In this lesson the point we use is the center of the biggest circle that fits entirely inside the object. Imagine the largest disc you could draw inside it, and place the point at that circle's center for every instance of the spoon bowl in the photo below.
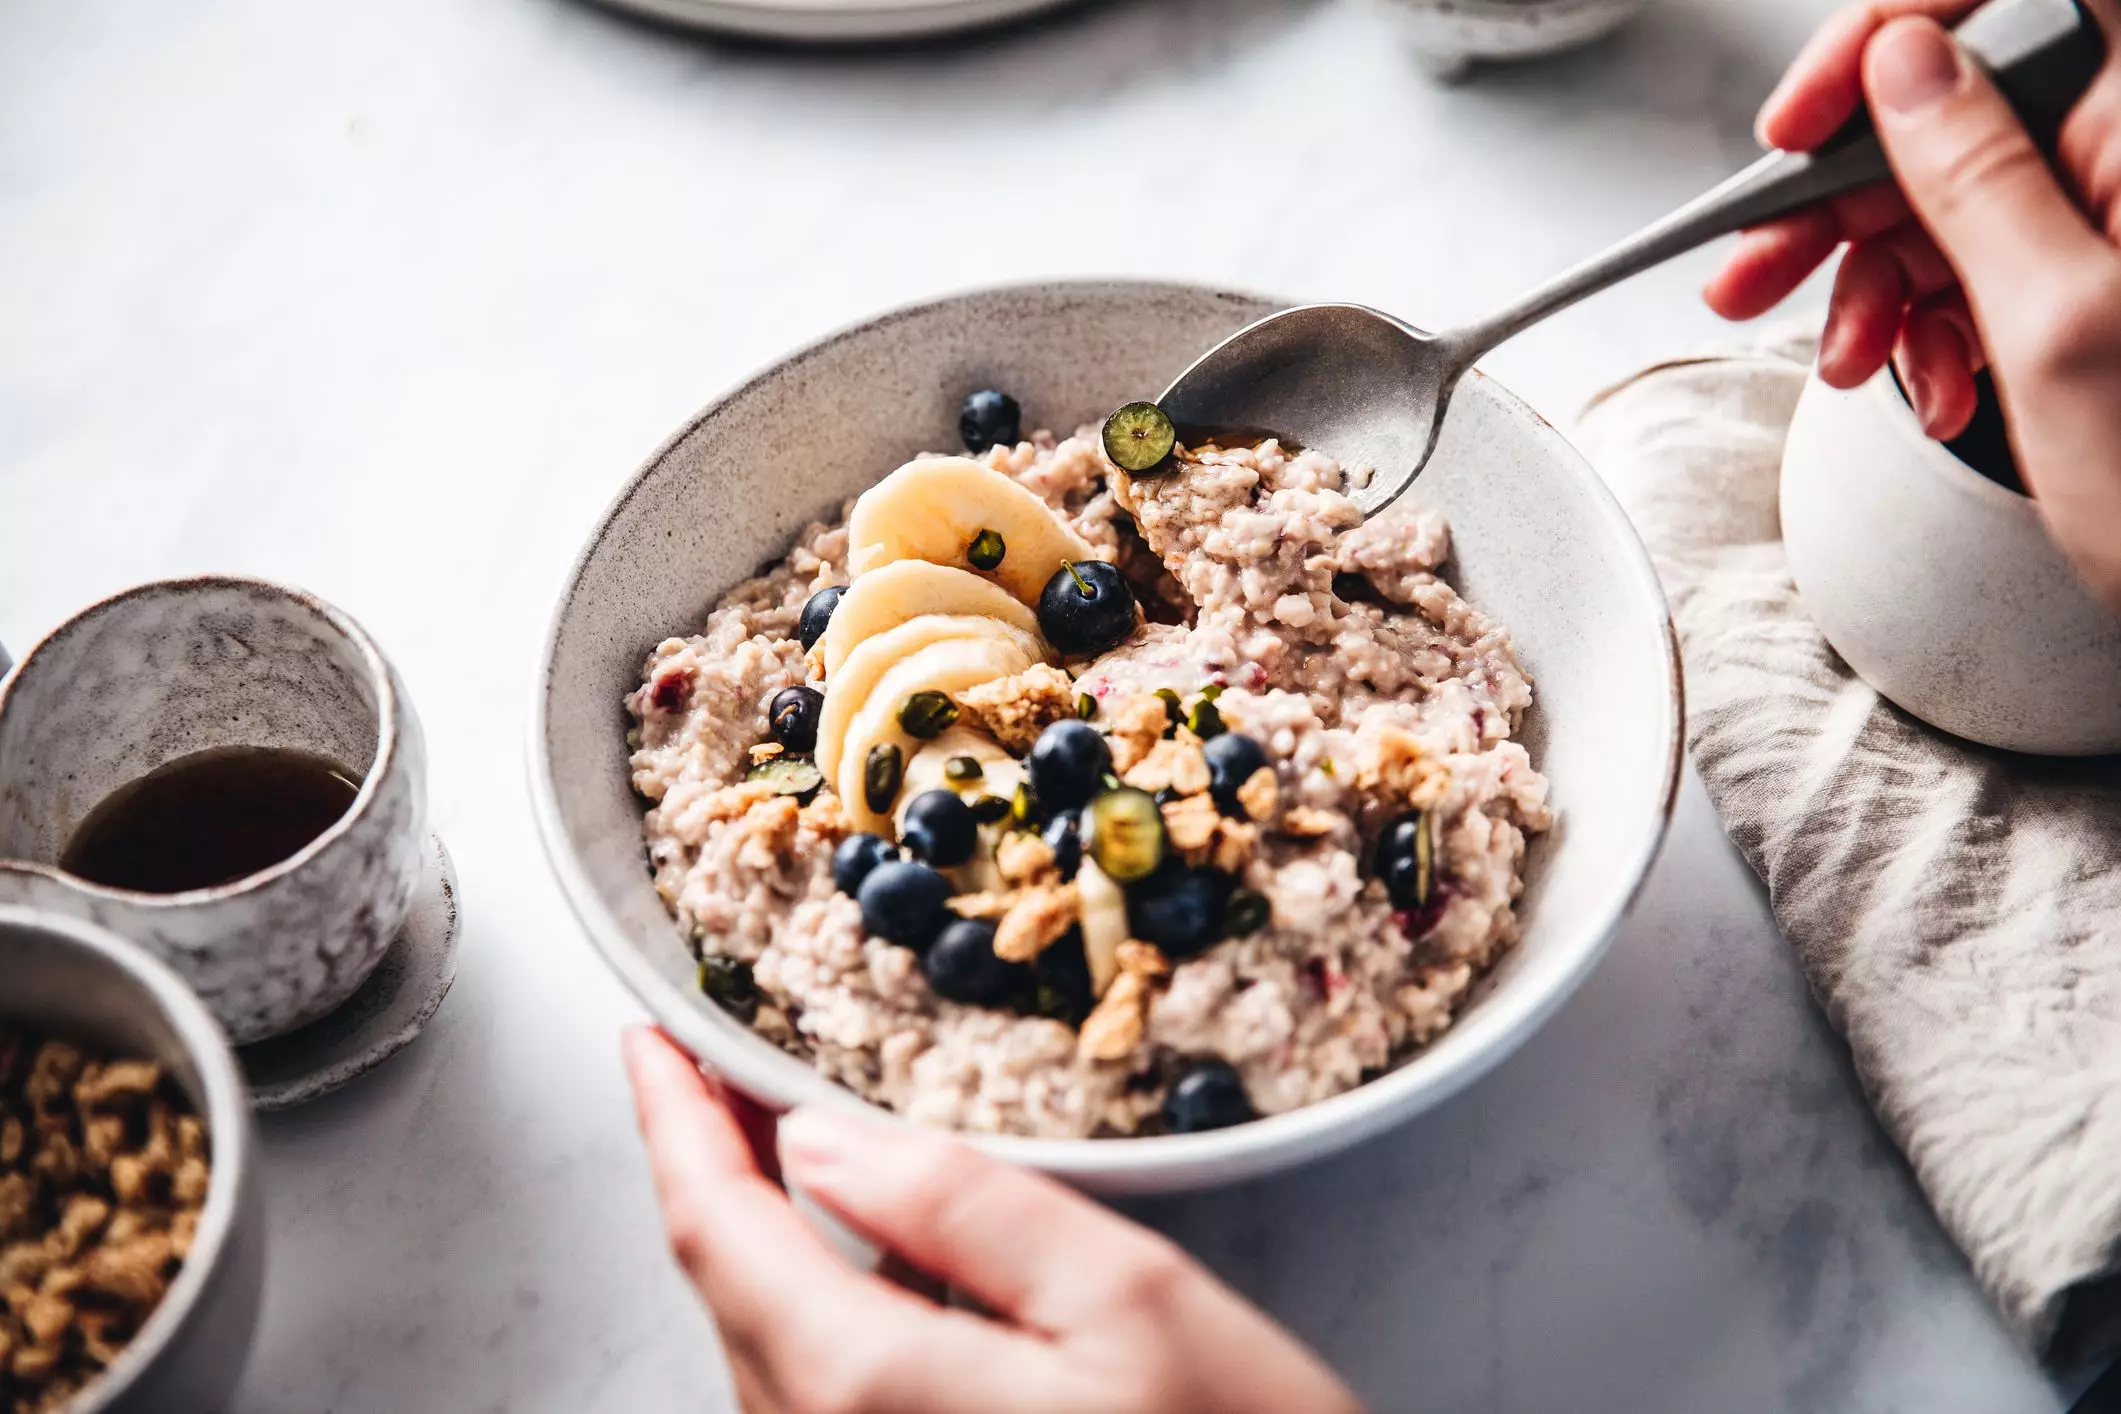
(1370, 388)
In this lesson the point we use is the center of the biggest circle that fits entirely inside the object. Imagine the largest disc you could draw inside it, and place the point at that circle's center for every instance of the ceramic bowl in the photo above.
(836, 21)
(1940, 587)
(76, 981)
(187, 665)
(1539, 544)
(1450, 36)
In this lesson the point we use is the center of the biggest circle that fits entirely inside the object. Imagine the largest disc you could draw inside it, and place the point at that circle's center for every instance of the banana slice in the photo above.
(888, 596)
(1104, 920)
(1000, 773)
(932, 508)
(946, 665)
(847, 690)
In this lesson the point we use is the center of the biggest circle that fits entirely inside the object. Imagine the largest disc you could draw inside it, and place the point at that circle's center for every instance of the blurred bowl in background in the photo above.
(1450, 36)
(835, 21)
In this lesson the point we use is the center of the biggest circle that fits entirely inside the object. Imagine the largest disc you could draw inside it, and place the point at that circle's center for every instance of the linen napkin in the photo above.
(1957, 909)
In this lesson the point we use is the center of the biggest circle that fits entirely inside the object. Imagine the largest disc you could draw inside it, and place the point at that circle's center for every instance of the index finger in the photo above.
(760, 1267)
(1823, 87)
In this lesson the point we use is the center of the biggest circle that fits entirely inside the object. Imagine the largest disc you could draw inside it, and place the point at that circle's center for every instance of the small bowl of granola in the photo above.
(132, 1229)
(1112, 793)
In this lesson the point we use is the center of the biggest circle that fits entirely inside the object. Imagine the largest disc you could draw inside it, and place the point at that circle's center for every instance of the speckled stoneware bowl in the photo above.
(1540, 544)
(1940, 587)
(182, 666)
(76, 981)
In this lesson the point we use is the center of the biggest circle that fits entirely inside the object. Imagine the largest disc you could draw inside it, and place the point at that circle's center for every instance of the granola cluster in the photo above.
(103, 1173)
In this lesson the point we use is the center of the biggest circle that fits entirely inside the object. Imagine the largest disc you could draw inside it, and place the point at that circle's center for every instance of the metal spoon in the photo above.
(1373, 390)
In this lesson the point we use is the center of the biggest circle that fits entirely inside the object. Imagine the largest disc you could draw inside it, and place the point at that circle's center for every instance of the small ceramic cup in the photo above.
(183, 666)
(1938, 585)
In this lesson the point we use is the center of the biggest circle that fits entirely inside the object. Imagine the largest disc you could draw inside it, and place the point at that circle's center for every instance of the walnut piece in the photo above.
(1114, 1028)
(1175, 765)
(1039, 918)
(1023, 858)
(1014, 710)
(103, 1174)
(1135, 723)
(1260, 795)
(1306, 823)
(1394, 764)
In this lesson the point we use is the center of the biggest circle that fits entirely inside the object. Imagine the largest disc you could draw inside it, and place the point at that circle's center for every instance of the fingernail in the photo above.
(1921, 395)
(1913, 63)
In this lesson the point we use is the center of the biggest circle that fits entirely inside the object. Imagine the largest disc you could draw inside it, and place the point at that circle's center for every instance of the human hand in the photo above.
(1980, 255)
(1091, 1313)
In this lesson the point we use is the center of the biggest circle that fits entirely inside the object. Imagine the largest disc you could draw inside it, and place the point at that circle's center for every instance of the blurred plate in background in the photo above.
(836, 20)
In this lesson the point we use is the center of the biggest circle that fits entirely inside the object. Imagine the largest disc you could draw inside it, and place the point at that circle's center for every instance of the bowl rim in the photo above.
(228, 1120)
(1149, 1163)
(1939, 460)
(384, 762)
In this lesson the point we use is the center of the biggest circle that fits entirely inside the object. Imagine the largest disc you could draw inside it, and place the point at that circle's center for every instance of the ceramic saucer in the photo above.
(380, 1019)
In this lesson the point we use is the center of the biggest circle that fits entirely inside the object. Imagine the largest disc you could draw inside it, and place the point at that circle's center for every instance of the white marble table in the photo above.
(385, 298)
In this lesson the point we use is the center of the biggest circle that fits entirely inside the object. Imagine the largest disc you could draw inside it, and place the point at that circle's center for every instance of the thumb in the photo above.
(1974, 177)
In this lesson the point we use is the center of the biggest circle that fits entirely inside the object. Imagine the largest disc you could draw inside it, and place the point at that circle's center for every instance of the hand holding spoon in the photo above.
(1373, 390)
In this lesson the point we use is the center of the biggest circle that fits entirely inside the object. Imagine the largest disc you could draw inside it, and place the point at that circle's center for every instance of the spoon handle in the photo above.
(2043, 55)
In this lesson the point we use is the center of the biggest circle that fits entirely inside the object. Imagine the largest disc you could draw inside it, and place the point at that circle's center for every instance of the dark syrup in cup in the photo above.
(209, 818)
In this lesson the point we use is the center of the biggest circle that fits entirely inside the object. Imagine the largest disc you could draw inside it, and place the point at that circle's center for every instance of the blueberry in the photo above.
(990, 419)
(856, 856)
(1233, 758)
(1061, 978)
(793, 714)
(939, 829)
(962, 967)
(1208, 1096)
(905, 903)
(817, 612)
(1064, 836)
(1086, 607)
(1067, 764)
(1406, 859)
(1180, 910)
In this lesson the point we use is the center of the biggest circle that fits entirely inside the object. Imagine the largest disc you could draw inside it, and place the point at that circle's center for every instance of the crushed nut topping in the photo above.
(1024, 858)
(1260, 795)
(1137, 723)
(1143, 959)
(1235, 844)
(103, 1172)
(1191, 823)
(1114, 1028)
(768, 832)
(767, 750)
(1171, 765)
(1305, 823)
(983, 905)
(1014, 710)
(1395, 764)
(1039, 918)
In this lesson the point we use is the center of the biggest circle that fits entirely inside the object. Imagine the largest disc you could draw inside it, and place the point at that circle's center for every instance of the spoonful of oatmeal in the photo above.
(1373, 390)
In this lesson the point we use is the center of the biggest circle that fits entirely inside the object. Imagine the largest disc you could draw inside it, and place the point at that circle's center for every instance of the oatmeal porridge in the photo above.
(1094, 786)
